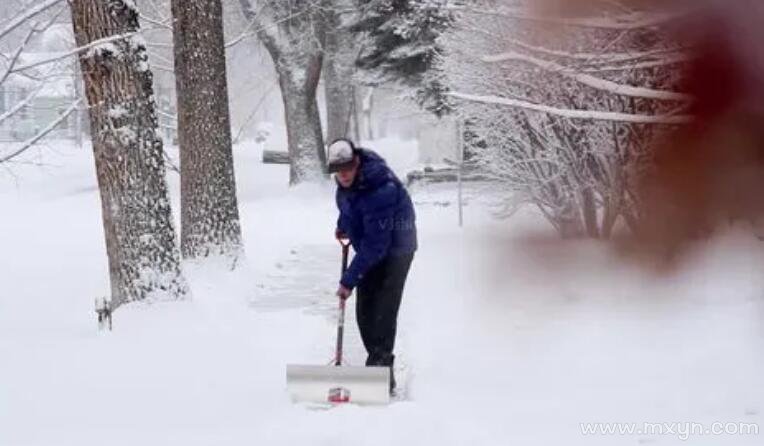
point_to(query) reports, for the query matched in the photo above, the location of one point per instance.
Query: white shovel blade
(357, 385)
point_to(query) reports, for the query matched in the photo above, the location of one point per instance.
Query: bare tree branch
(158, 11)
(631, 21)
(35, 29)
(44, 132)
(15, 57)
(26, 15)
(267, 29)
(605, 57)
(73, 52)
(170, 162)
(639, 65)
(13, 110)
(158, 23)
(259, 103)
(168, 115)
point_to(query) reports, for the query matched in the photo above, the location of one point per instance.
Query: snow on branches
(28, 72)
(563, 115)
(400, 45)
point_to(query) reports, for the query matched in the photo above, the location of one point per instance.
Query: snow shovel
(335, 384)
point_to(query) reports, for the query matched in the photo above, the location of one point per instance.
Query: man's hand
(343, 293)
(339, 235)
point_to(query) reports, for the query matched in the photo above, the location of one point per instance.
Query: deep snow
(507, 338)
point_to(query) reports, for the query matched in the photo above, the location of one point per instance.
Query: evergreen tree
(402, 45)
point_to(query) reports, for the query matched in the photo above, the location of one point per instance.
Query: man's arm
(378, 227)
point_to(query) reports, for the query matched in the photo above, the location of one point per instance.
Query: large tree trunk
(338, 77)
(140, 239)
(298, 78)
(209, 211)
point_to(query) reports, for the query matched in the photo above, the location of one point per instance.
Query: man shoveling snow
(377, 215)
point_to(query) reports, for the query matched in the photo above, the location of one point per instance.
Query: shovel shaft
(340, 333)
(341, 319)
(345, 252)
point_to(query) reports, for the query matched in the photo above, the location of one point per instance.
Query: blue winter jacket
(377, 214)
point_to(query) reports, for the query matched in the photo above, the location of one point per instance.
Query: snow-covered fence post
(141, 242)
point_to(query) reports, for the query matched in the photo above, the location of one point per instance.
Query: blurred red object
(712, 170)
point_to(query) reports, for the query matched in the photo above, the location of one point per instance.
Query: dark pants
(379, 297)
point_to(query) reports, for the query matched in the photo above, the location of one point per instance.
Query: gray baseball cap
(339, 155)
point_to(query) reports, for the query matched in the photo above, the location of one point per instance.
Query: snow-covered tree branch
(40, 135)
(628, 21)
(592, 81)
(26, 15)
(32, 79)
(577, 114)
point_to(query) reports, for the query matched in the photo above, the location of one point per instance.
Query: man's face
(346, 176)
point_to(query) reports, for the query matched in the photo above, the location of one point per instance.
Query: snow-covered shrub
(564, 114)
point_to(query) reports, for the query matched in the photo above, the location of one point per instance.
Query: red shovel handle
(345, 243)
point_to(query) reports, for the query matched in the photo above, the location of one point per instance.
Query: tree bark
(298, 79)
(140, 238)
(338, 77)
(209, 211)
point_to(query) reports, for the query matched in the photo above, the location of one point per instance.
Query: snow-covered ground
(507, 337)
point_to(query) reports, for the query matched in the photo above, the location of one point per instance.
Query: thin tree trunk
(299, 80)
(610, 214)
(140, 239)
(569, 220)
(295, 45)
(589, 209)
(356, 115)
(367, 104)
(209, 210)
